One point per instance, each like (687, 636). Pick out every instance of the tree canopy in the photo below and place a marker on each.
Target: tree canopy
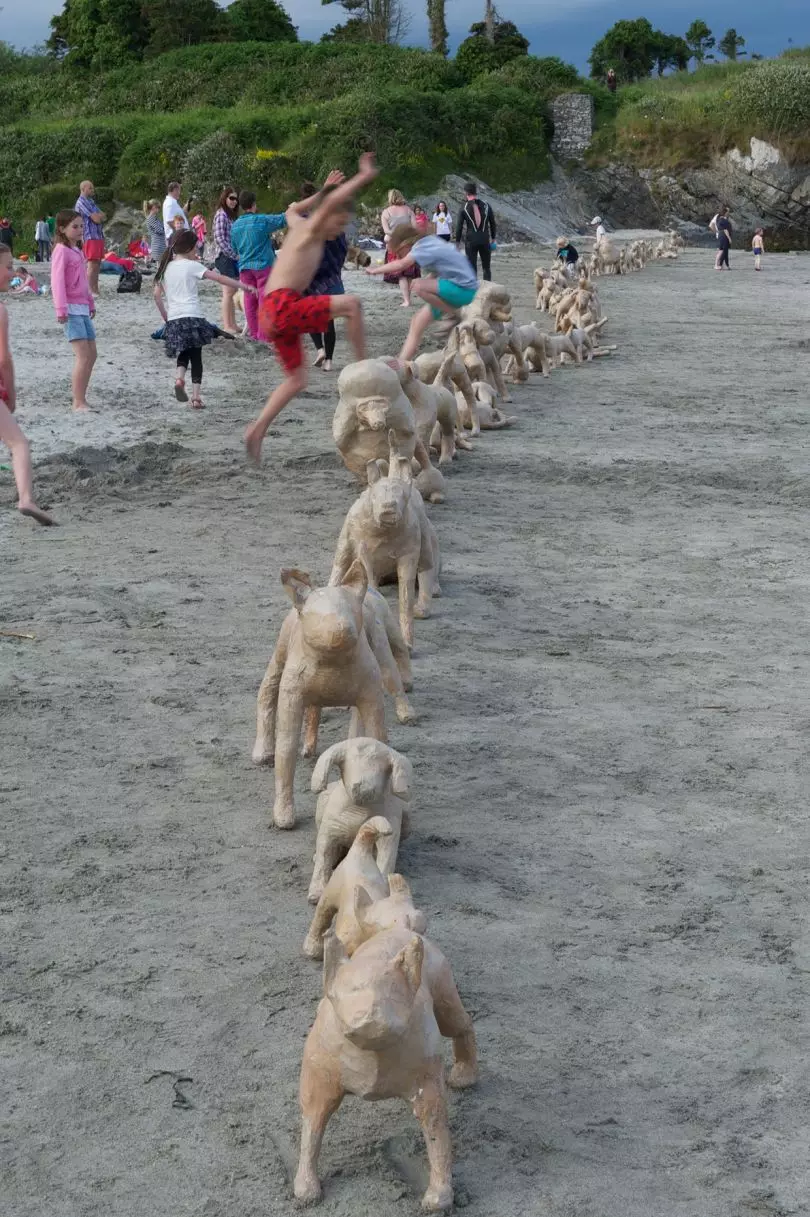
(629, 48)
(477, 54)
(700, 40)
(731, 44)
(108, 33)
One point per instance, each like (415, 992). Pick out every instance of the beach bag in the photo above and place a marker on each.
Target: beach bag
(130, 281)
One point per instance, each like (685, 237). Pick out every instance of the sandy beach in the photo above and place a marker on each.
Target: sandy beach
(610, 803)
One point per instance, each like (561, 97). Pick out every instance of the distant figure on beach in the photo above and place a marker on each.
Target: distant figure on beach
(10, 432)
(251, 238)
(397, 212)
(172, 209)
(92, 232)
(7, 234)
(74, 302)
(154, 229)
(567, 253)
(475, 227)
(601, 231)
(443, 221)
(420, 219)
(225, 260)
(724, 232)
(42, 236)
(200, 228)
(758, 247)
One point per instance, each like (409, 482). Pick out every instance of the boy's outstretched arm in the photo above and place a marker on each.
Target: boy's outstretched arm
(335, 178)
(337, 200)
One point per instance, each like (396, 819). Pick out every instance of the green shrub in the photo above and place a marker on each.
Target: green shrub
(775, 95)
(216, 161)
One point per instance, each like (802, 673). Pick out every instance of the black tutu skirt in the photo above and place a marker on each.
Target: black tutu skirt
(188, 332)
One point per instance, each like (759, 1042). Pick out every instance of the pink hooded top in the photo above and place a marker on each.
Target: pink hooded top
(69, 279)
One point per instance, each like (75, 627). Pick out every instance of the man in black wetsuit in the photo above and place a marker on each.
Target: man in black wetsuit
(475, 228)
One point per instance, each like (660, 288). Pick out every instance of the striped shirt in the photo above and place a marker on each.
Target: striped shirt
(86, 207)
(157, 237)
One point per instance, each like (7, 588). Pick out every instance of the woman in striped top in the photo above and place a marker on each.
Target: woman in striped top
(154, 230)
(226, 260)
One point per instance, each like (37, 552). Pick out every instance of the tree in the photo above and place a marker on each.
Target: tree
(383, 21)
(671, 52)
(629, 47)
(99, 33)
(176, 23)
(731, 44)
(477, 54)
(700, 40)
(259, 21)
(437, 27)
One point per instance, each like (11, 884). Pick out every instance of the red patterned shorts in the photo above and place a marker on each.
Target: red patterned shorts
(284, 315)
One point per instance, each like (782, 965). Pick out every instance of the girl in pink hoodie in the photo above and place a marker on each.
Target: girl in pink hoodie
(74, 302)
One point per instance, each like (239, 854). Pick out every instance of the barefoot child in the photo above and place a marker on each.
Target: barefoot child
(177, 296)
(758, 246)
(10, 433)
(451, 284)
(286, 314)
(74, 302)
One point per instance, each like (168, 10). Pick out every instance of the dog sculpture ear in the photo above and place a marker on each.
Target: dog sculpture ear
(409, 962)
(335, 755)
(356, 578)
(362, 902)
(334, 956)
(297, 584)
(373, 472)
(401, 775)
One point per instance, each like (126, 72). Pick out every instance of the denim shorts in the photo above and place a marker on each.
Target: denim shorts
(80, 329)
(451, 293)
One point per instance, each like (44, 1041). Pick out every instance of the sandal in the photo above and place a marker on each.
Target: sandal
(197, 403)
(319, 358)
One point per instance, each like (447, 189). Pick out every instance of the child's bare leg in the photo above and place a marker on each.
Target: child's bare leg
(405, 288)
(420, 323)
(295, 383)
(351, 308)
(84, 357)
(15, 441)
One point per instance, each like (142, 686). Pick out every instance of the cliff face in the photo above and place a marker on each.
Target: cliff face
(760, 188)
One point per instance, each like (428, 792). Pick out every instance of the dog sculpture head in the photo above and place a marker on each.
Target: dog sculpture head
(331, 618)
(372, 998)
(367, 769)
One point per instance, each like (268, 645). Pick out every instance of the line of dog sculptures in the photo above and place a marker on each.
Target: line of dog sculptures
(389, 997)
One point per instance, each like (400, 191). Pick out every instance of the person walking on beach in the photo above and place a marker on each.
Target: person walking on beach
(397, 212)
(758, 247)
(451, 286)
(226, 261)
(42, 236)
(177, 297)
(475, 228)
(92, 232)
(10, 432)
(172, 209)
(724, 234)
(73, 301)
(286, 313)
(443, 221)
(250, 238)
(155, 232)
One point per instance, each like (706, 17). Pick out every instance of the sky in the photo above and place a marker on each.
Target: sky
(567, 28)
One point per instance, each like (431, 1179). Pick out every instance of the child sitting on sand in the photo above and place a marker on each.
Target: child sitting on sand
(177, 296)
(452, 286)
(758, 246)
(285, 313)
(10, 433)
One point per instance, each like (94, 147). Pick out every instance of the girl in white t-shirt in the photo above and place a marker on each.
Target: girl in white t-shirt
(177, 296)
(443, 221)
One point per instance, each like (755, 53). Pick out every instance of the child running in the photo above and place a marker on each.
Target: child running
(74, 302)
(285, 313)
(452, 286)
(177, 296)
(758, 246)
(10, 433)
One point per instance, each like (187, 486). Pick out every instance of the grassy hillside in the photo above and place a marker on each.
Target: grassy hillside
(270, 115)
(686, 118)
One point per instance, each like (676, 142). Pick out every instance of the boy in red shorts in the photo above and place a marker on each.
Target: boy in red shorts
(285, 314)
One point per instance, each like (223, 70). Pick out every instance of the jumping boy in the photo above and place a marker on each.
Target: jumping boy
(452, 284)
(285, 313)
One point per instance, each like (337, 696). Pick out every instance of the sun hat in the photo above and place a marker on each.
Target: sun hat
(596, 220)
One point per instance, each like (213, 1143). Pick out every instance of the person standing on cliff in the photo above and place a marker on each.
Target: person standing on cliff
(475, 227)
(611, 81)
(92, 232)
